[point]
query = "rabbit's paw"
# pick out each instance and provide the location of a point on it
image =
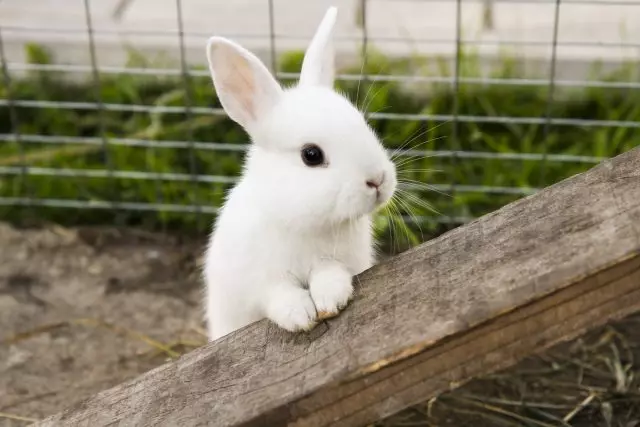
(291, 308)
(331, 289)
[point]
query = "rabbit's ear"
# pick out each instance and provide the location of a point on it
(318, 66)
(246, 89)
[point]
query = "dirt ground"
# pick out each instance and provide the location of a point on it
(84, 309)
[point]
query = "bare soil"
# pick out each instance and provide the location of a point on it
(82, 310)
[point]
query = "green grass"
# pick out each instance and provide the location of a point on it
(386, 97)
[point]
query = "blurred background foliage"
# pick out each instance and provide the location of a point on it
(440, 189)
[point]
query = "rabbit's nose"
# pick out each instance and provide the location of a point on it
(375, 182)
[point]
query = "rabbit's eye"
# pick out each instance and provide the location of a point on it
(312, 155)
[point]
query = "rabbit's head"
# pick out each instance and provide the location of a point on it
(314, 159)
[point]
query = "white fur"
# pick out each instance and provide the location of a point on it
(290, 237)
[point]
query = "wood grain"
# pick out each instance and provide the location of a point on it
(480, 298)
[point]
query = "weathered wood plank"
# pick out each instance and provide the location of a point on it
(477, 299)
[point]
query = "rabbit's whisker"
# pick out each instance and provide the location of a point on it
(416, 201)
(380, 67)
(422, 186)
(402, 151)
(412, 138)
(408, 209)
(360, 80)
(371, 101)
(420, 170)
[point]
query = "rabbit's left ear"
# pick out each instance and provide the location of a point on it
(318, 66)
(246, 89)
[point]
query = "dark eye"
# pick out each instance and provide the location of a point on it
(312, 155)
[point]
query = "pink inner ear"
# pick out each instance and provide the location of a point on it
(238, 81)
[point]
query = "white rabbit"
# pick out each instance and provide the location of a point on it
(296, 228)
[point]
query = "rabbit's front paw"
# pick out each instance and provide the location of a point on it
(291, 308)
(331, 289)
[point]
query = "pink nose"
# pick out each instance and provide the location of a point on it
(376, 182)
(373, 184)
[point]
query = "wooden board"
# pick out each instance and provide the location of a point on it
(479, 298)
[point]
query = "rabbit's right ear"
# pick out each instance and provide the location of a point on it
(318, 65)
(246, 89)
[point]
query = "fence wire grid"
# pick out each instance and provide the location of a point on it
(101, 151)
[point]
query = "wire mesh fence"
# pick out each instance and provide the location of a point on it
(85, 140)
